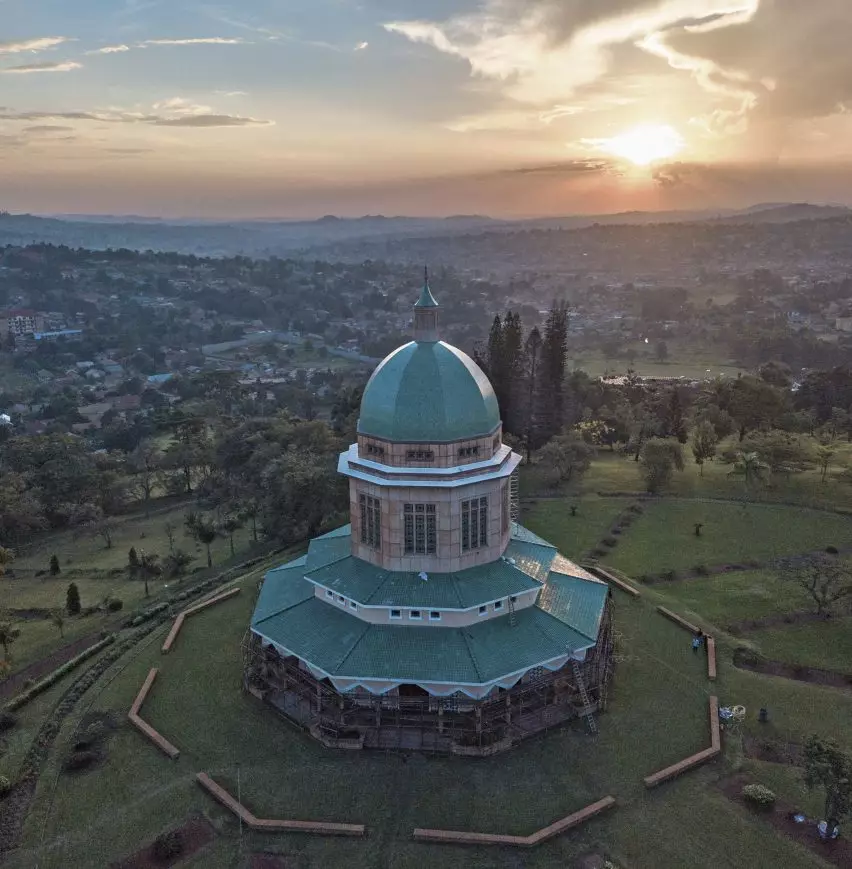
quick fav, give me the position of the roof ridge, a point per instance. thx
(354, 645)
(379, 587)
(283, 609)
(329, 563)
(472, 656)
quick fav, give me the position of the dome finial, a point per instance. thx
(426, 300)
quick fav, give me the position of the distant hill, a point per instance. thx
(785, 213)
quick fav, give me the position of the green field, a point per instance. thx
(657, 714)
(815, 644)
(664, 536)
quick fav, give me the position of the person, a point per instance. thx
(696, 641)
(822, 829)
(834, 828)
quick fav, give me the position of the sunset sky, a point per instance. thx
(505, 107)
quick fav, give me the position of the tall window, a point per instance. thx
(507, 507)
(420, 531)
(474, 523)
(371, 521)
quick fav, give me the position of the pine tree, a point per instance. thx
(72, 600)
(553, 351)
(55, 569)
(532, 365)
(513, 361)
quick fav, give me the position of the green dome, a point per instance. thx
(428, 392)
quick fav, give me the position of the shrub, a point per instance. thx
(669, 575)
(115, 605)
(831, 550)
(615, 530)
(72, 600)
(168, 846)
(610, 542)
(636, 508)
(701, 569)
(82, 759)
(5, 786)
(598, 552)
(7, 721)
(759, 795)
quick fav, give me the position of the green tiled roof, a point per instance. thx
(343, 646)
(428, 393)
(566, 617)
(368, 584)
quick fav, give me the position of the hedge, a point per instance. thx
(55, 675)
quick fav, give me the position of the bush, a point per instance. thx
(610, 542)
(168, 846)
(759, 795)
(636, 508)
(7, 721)
(831, 550)
(669, 575)
(5, 786)
(114, 605)
(616, 530)
(701, 569)
(598, 552)
(78, 760)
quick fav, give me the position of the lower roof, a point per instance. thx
(565, 620)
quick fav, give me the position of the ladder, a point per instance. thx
(584, 695)
(514, 498)
(512, 619)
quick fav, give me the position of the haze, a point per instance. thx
(506, 107)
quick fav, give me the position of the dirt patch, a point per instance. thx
(837, 853)
(195, 834)
(747, 660)
(774, 750)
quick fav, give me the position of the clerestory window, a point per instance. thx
(419, 456)
(474, 530)
(420, 534)
(371, 521)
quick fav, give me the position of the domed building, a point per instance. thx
(433, 620)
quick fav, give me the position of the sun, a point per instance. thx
(645, 144)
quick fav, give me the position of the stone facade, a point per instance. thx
(429, 455)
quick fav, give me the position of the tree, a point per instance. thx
(57, 618)
(202, 531)
(72, 600)
(824, 455)
(828, 767)
(149, 568)
(6, 558)
(660, 458)
(8, 634)
(228, 526)
(103, 527)
(826, 578)
(783, 453)
(170, 529)
(55, 569)
(551, 395)
(661, 351)
(132, 559)
(176, 562)
(565, 457)
(704, 442)
(751, 469)
(146, 466)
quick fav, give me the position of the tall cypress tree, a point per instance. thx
(513, 360)
(532, 376)
(554, 348)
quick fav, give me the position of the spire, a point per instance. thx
(426, 313)
(426, 300)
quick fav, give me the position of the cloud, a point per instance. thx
(110, 49)
(568, 167)
(542, 52)
(197, 40)
(64, 66)
(39, 129)
(361, 46)
(231, 93)
(175, 112)
(41, 43)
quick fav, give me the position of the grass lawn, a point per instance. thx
(663, 537)
(576, 534)
(826, 644)
(733, 597)
(657, 714)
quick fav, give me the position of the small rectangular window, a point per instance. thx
(468, 452)
(495, 444)
(329, 593)
(498, 604)
(483, 610)
(419, 456)
(396, 614)
(353, 605)
(375, 450)
(434, 616)
(514, 599)
(341, 599)
(414, 614)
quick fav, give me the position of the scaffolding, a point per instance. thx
(410, 718)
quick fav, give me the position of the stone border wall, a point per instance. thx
(693, 760)
(182, 617)
(455, 837)
(274, 826)
(140, 724)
